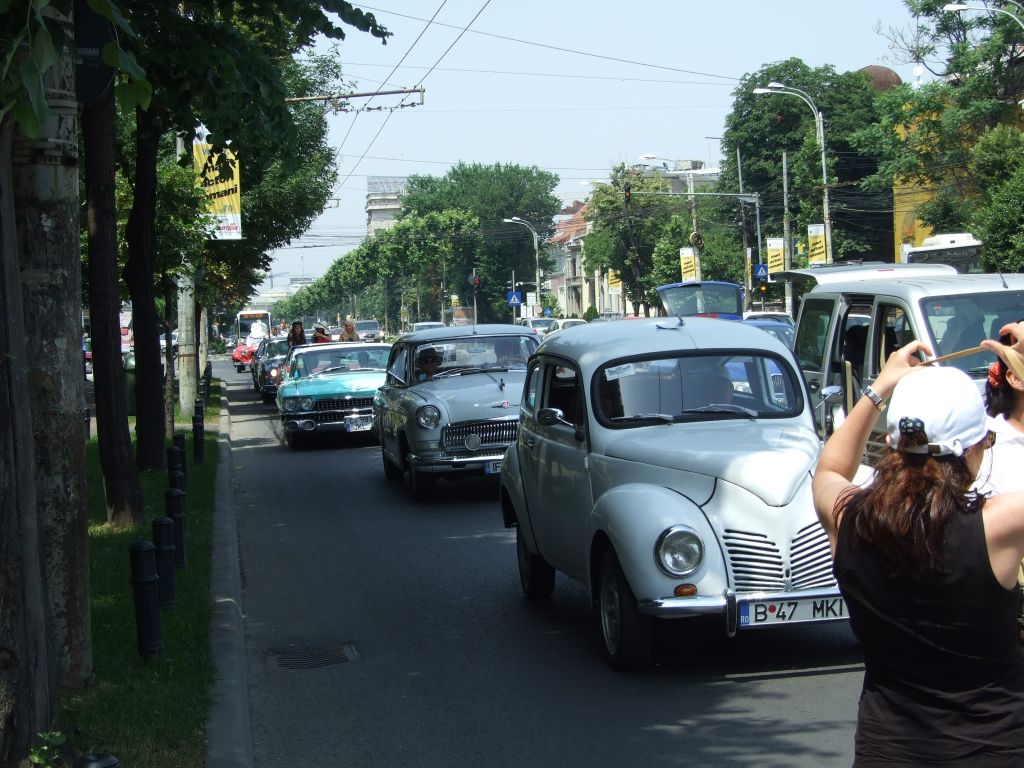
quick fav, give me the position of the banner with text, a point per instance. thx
(816, 251)
(689, 265)
(218, 176)
(776, 253)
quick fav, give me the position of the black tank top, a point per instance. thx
(944, 673)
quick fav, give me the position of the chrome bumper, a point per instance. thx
(434, 463)
(726, 605)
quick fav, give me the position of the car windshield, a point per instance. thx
(315, 362)
(962, 321)
(678, 388)
(277, 347)
(542, 323)
(367, 325)
(471, 354)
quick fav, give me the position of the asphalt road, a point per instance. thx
(382, 632)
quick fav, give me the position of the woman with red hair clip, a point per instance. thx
(1003, 467)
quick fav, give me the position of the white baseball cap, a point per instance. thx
(945, 404)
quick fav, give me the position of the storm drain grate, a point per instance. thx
(313, 658)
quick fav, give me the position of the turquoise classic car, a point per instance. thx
(330, 388)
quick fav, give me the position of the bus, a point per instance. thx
(253, 323)
(707, 298)
(960, 250)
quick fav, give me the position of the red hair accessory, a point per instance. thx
(994, 379)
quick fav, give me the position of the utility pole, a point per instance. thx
(747, 283)
(787, 248)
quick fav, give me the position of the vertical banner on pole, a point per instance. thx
(218, 175)
(776, 252)
(816, 252)
(689, 265)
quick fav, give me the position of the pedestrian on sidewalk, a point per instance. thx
(928, 570)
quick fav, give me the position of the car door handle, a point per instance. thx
(528, 442)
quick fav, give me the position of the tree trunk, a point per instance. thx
(46, 216)
(150, 430)
(28, 670)
(120, 477)
(170, 320)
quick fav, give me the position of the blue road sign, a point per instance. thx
(547, 311)
(515, 298)
(761, 271)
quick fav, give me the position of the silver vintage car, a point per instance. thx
(450, 402)
(666, 464)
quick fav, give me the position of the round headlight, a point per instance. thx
(290, 404)
(679, 551)
(274, 373)
(306, 403)
(428, 416)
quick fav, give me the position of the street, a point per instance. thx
(382, 632)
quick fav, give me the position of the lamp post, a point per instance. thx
(819, 125)
(536, 248)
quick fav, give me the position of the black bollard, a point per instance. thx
(174, 506)
(176, 479)
(208, 372)
(88, 422)
(179, 443)
(147, 605)
(198, 433)
(163, 541)
(97, 761)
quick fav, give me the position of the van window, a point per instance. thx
(813, 333)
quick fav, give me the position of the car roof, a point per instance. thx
(879, 270)
(914, 287)
(766, 322)
(330, 346)
(461, 331)
(595, 343)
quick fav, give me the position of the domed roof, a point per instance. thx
(882, 78)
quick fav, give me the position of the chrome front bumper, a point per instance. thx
(445, 464)
(728, 605)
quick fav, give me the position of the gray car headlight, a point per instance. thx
(679, 551)
(306, 403)
(428, 416)
(290, 404)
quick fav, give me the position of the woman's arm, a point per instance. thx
(841, 455)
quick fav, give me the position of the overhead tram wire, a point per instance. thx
(419, 84)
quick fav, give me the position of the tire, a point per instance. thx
(535, 575)
(391, 470)
(267, 398)
(628, 635)
(239, 368)
(421, 485)
(294, 439)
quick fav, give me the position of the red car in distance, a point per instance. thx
(242, 356)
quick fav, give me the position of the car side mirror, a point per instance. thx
(548, 417)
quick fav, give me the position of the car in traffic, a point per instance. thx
(242, 354)
(562, 324)
(764, 314)
(369, 330)
(329, 387)
(536, 324)
(784, 332)
(426, 325)
(666, 464)
(268, 366)
(449, 406)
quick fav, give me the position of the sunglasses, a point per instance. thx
(988, 440)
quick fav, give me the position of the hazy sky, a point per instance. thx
(571, 86)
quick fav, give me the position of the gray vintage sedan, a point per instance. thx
(449, 406)
(666, 464)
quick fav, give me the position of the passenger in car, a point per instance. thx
(427, 361)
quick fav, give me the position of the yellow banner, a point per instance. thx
(614, 281)
(776, 253)
(816, 253)
(218, 176)
(689, 265)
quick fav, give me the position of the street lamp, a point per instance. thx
(819, 125)
(536, 249)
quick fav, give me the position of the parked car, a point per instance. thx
(536, 324)
(329, 388)
(784, 332)
(425, 325)
(666, 464)
(780, 317)
(242, 355)
(267, 366)
(561, 325)
(369, 330)
(450, 403)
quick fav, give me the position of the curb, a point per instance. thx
(228, 729)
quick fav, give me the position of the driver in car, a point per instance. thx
(427, 361)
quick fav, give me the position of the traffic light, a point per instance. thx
(627, 193)
(763, 288)
(477, 282)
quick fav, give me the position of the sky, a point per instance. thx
(569, 86)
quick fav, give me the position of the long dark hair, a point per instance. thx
(906, 509)
(999, 395)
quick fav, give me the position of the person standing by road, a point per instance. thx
(928, 571)
(297, 335)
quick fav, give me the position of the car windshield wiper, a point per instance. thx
(666, 418)
(332, 369)
(722, 408)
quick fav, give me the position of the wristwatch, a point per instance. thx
(874, 397)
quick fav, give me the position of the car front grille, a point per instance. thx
(757, 564)
(343, 403)
(493, 434)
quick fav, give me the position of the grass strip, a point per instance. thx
(150, 713)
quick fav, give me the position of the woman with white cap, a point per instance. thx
(928, 571)
(1003, 468)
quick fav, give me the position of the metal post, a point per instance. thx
(198, 433)
(163, 542)
(824, 186)
(147, 608)
(179, 442)
(787, 247)
(174, 508)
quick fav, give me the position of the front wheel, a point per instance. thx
(294, 439)
(421, 484)
(391, 470)
(535, 575)
(628, 634)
